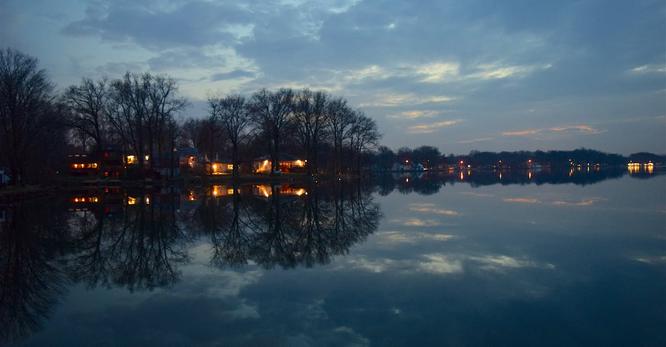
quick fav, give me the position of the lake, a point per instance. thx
(468, 259)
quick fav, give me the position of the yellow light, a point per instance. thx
(230, 191)
(130, 159)
(230, 166)
(147, 200)
(131, 200)
(264, 189)
(216, 190)
(146, 157)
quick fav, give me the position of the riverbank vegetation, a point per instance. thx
(141, 120)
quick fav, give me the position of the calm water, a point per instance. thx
(408, 261)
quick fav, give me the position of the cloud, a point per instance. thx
(530, 200)
(648, 69)
(416, 114)
(580, 129)
(583, 202)
(432, 209)
(235, 74)
(443, 264)
(412, 237)
(438, 72)
(440, 264)
(432, 127)
(503, 262)
(496, 71)
(384, 54)
(522, 200)
(417, 222)
(652, 260)
(158, 26)
(478, 139)
(406, 99)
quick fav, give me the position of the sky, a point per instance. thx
(459, 75)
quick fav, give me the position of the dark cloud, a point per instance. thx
(540, 64)
(195, 23)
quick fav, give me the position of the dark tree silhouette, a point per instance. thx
(232, 113)
(87, 104)
(272, 114)
(25, 110)
(31, 278)
(311, 119)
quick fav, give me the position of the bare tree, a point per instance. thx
(233, 115)
(87, 104)
(141, 110)
(310, 115)
(363, 136)
(272, 112)
(25, 101)
(340, 119)
(203, 135)
(164, 104)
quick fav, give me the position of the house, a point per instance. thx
(219, 167)
(287, 164)
(188, 158)
(81, 164)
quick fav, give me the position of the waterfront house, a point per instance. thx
(82, 164)
(219, 167)
(287, 164)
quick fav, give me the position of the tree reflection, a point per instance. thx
(137, 248)
(32, 236)
(287, 226)
(431, 182)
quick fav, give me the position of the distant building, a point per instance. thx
(189, 158)
(219, 167)
(287, 164)
(82, 164)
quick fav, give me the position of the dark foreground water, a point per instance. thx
(409, 261)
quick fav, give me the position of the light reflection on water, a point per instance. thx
(415, 260)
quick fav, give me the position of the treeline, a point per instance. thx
(430, 157)
(143, 115)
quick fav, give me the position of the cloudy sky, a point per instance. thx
(460, 75)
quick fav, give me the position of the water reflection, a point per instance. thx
(33, 238)
(134, 245)
(431, 182)
(138, 240)
(286, 225)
